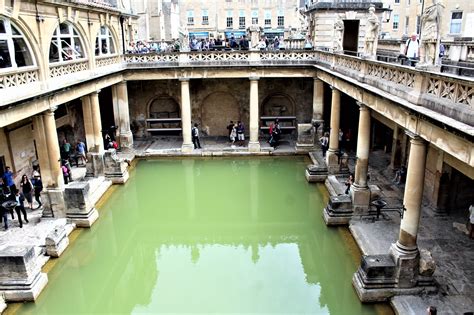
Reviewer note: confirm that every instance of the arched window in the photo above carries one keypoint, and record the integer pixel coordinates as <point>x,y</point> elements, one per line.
<point>104,43</point>
<point>66,44</point>
<point>14,50</point>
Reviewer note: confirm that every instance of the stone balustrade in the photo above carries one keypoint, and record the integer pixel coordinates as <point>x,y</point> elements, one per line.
<point>68,67</point>
<point>18,78</point>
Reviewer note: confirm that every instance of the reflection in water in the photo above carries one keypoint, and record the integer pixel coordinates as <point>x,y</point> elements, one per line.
<point>187,236</point>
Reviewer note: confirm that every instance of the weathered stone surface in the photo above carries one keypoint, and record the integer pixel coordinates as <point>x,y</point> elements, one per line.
<point>56,241</point>
<point>3,305</point>
<point>305,140</point>
<point>80,207</point>
<point>427,264</point>
<point>338,210</point>
<point>115,168</point>
<point>20,276</point>
<point>53,203</point>
<point>95,164</point>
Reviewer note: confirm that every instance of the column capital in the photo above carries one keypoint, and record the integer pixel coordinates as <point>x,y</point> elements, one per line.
<point>124,82</point>
<point>254,78</point>
<point>95,92</point>
<point>332,87</point>
<point>184,79</point>
<point>414,138</point>
<point>316,79</point>
<point>362,106</point>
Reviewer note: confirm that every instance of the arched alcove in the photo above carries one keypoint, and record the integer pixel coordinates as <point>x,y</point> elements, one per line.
<point>164,106</point>
<point>217,110</point>
<point>278,104</point>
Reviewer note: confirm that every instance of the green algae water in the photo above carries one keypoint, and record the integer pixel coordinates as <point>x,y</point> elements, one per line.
<point>207,236</point>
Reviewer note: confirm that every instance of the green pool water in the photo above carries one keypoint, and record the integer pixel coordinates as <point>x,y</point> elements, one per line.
<point>207,236</point>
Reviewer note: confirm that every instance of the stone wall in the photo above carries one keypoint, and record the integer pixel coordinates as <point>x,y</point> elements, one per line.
<point>215,102</point>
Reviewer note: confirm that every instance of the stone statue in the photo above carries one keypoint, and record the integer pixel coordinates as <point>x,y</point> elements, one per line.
<point>184,38</point>
<point>338,32</point>
<point>430,31</point>
<point>371,33</point>
<point>303,18</point>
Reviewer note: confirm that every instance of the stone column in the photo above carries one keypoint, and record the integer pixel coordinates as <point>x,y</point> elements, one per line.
<point>126,137</point>
<point>88,125</point>
<point>42,150</point>
<point>186,116</point>
<point>96,122</point>
<point>331,157</point>
<point>360,189</point>
<point>52,145</point>
<point>396,154</point>
<point>318,105</point>
<point>405,251</point>
<point>254,145</point>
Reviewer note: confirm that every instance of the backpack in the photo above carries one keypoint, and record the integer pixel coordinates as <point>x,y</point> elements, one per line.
<point>193,131</point>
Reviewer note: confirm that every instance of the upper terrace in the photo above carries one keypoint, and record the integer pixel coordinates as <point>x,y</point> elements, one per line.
<point>447,99</point>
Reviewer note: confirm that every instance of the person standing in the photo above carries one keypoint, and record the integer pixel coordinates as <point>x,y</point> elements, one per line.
<point>412,48</point>
<point>195,136</point>
<point>324,140</point>
<point>38,187</point>
<point>66,149</point>
<point>20,207</point>
<point>241,133</point>
<point>81,151</point>
<point>3,212</point>
<point>233,134</point>
<point>229,127</point>
<point>349,183</point>
<point>8,179</point>
<point>471,221</point>
<point>27,190</point>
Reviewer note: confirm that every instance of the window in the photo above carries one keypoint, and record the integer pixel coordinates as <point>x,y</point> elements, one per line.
<point>407,20</point>
<point>65,44</point>
<point>418,24</point>
<point>229,20</point>
<point>14,50</point>
<point>397,1</point>
<point>396,21</point>
<point>241,21</point>
<point>281,21</point>
<point>456,22</point>
<point>104,44</point>
<point>268,18</point>
<point>205,17</point>
<point>254,17</point>
<point>190,15</point>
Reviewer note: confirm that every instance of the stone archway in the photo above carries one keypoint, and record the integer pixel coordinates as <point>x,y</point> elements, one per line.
<point>278,104</point>
<point>164,107</point>
<point>217,110</point>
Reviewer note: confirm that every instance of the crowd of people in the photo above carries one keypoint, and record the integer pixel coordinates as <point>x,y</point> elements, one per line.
<point>12,199</point>
<point>206,44</point>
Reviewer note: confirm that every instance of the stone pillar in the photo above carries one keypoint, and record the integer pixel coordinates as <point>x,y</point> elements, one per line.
<point>254,145</point>
<point>360,189</point>
<point>52,145</point>
<point>405,251</point>
<point>331,156</point>
<point>126,137</point>
<point>88,125</point>
<point>396,154</point>
<point>96,122</point>
<point>42,150</point>
<point>186,116</point>
<point>318,105</point>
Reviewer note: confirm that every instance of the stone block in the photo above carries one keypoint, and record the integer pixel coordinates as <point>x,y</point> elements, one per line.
<point>80,208</point>
<point>254,146</point>
<point>375,192</point>
<point>115,169</point>
<point>95,164</point>
<point>360,198</point>
<point>316,172</point>
<point>3,305</point>
<point>305,141</point>
<point>21,278</point>
<point>53,203</point>
<point>338,210</point>
<point>427,264</point>
<point>56,241</point>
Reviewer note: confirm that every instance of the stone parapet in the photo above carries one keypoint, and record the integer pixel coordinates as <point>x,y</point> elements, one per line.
<point>115,169</point>
<point>21,278</point>
<point>80,207</point>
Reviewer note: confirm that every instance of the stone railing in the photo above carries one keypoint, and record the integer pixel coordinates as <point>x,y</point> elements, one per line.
<point>18,77</point>
<point>450,89</point>
<point>64,68</point>
<point>107,61</point>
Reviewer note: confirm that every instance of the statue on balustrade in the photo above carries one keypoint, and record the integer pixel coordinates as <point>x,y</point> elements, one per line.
<point>338,33</point>
<point>430,31</point>
<point>184,39</point>
<point>371,33</point>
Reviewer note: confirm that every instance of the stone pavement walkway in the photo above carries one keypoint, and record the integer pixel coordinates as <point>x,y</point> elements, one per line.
<point>451,249</point>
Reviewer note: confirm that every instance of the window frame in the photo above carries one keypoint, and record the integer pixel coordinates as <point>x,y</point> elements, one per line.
<point>59,38</point>
<point>397,22</point>
<point>241,22</point>
<point>458,23</point>
<point>281,21</point>
<point>229,22</point>
<point>8,36</point>
<point>108,37</point>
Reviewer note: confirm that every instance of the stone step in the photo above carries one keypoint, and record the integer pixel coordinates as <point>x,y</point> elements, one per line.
<point>98,187</point>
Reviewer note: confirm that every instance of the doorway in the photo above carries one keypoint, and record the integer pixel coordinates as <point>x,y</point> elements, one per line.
<point>350,41</point>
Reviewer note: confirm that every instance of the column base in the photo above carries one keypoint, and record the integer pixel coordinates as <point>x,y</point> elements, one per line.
<point>254,146</point>
<point>187,148</point>
<point>126,140</point>
<point>116,169</point>
<point>54,204</point>
<point>332,162</point>
<point>360,198</point>
<point>95,164</point>
<point>84,219</point>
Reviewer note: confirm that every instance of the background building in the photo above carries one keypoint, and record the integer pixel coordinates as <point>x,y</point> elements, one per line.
<point>158,19</point>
